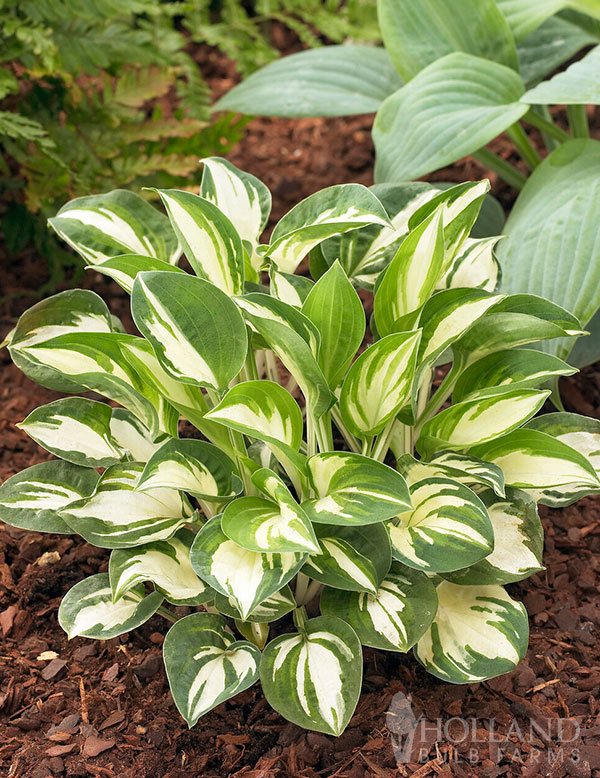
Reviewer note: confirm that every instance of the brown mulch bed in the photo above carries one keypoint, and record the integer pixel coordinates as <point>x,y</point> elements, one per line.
<point>104,709</point>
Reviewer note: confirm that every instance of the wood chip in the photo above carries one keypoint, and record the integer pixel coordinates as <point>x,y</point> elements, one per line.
<point>95,745</point>
<point>7,618</point>
<point>53,669</point>
<point>60,750</point>
<point>114,718</point>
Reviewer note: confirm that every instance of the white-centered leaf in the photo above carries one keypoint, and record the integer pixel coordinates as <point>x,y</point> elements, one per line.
<point>289,287</point>
<point>118,516</point>
<point>313,677</point>
<point>476,266</point>
<point>469,470</point>
<point>393,617</point>
<point>272,609</point>
<point>478,632</point>
<point>124,268</point>
<point>88,610</point>
<point>32,498</point>
<point>132,435</point>
<point>205,664</point>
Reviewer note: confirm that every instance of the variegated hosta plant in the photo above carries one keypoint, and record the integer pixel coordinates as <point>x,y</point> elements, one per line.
<point>329,486</point>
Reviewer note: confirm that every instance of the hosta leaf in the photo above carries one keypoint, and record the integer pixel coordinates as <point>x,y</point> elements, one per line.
<point>577,85</point>
<point>327,81</point>
<point>379,383</point>
<point>336,310</point>
<point>193,466</point>
<point>475,267</point>
<point>415,40</point>
<point>118,222</point>
<point>448,529</point>
<point>479,419</point>
<point>478,632</point>
<point>75,310</point>
<point>271,609</point>
<point>551,249</point>
<point>124,269</point>
<point>394,617</point>
<point>313,677</point>
<point>524,16</point>
<point>261,308</point>
<point>412,275</point>
<point>532,459</point>
<point>32,498</point>
<point>166,563</point>
<point>469,470</point>
<point>75,429</point>
<point>509,369</point>
<point>88,610</point>
<point>210,241</point>
<point>332,210</point>
<point>205,665</point>
<point>196,331</point>
<point>242,197</point>
<point>518,542</point>
<point>132,435</point>
<point>352,490</point>
<point>351,558</point>
<point>288,287</point>
<point>450,109</point>
<point>118,516</point>
<point>247,577</point>
<point>580,433</point>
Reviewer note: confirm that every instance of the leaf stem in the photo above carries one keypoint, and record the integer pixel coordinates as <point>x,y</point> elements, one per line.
<point>300,618</point>
<point>438,399</point>
<point>544,112</point>
<point>546,126</point>
<point>167,614</point>
<point>271,365</point>
<point>519,137</point>
<point>383,441</point>
<point>313,590</point>
<point>302,582</point>
<point>351,441</point>
<point>250,366</point>
<point>504,169</point>
<point>578,121</point>
<point>324,432</point>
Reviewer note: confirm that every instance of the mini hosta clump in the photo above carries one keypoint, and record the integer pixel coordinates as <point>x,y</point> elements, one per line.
<point>341,494</point>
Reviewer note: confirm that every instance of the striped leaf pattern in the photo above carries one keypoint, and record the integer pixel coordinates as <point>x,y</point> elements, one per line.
<point>289,288</point>
<point>118,516</point>
<point>124,268</point>
<point>88,610</point>
<point>475,267</point>
<point>129,433</point>
<point>470,470</point>
<point>478,632</point>
<point>393,617</point>
<point>313,677</point>
<point>205,664</point>
<point>271,609</point>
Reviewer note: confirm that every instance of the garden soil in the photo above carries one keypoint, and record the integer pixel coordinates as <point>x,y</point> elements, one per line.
<point>85,708</point>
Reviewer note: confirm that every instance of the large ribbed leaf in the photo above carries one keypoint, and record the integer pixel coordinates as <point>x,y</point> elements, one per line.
<point>196,331</point>
<point>32,498</point>
<point>247,577</point>
<point>88,609</point>
<point>394,617</point>
<point>205,664</point>
<point>518,542</point>
<point>353,490</point>
<point>524,16</point>
<point>577,85</point>
<point>117,516</point>
<point>124,268</point>
<point>478,632</point>
<point>551,249</point>
<point>327,81</point>
<point>448,529</point>
<point>118,222</point>
<point>416,39</point>
<point>452,108</point>
<point>166,563</point>
<point>313,677</point>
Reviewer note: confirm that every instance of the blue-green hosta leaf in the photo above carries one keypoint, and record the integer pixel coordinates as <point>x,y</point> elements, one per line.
<point>210,241</point>
<point>124,268</point>
<point>450,109</point>
<point>193,466</point>
<point>413,273</point>
<point>32,498</point>
<point>272,609</point>
<point>75,310</point>
<point>166,563</point>
<point>118,516</point>
<point>88,610</point>
<point>580,433</point>
<point>393,617</point>
<point>551,249</point>
<point>510,368</point>
<point>379,383</point>
<point>577,85</point>
<point>351,558</point>
<point>129,433</point>
<point>534,460</point>
<point>288,287</point>
<point>470,470</point>
<point>242,197</point>
<point>75,429</point>
<point>524,16</point>
<point>205,664</point>
<point>313,677</point>
<point>479,419</point>
<point>118,222</point>
<point>478,632</point>
<point>448,529</point>
<point>415,40</point>
<point>328,212</point>
<point>247,577</point>
<point>352,490</point>
<point>196,331</point>
<point>518,542</point>
<point>475,267</point>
